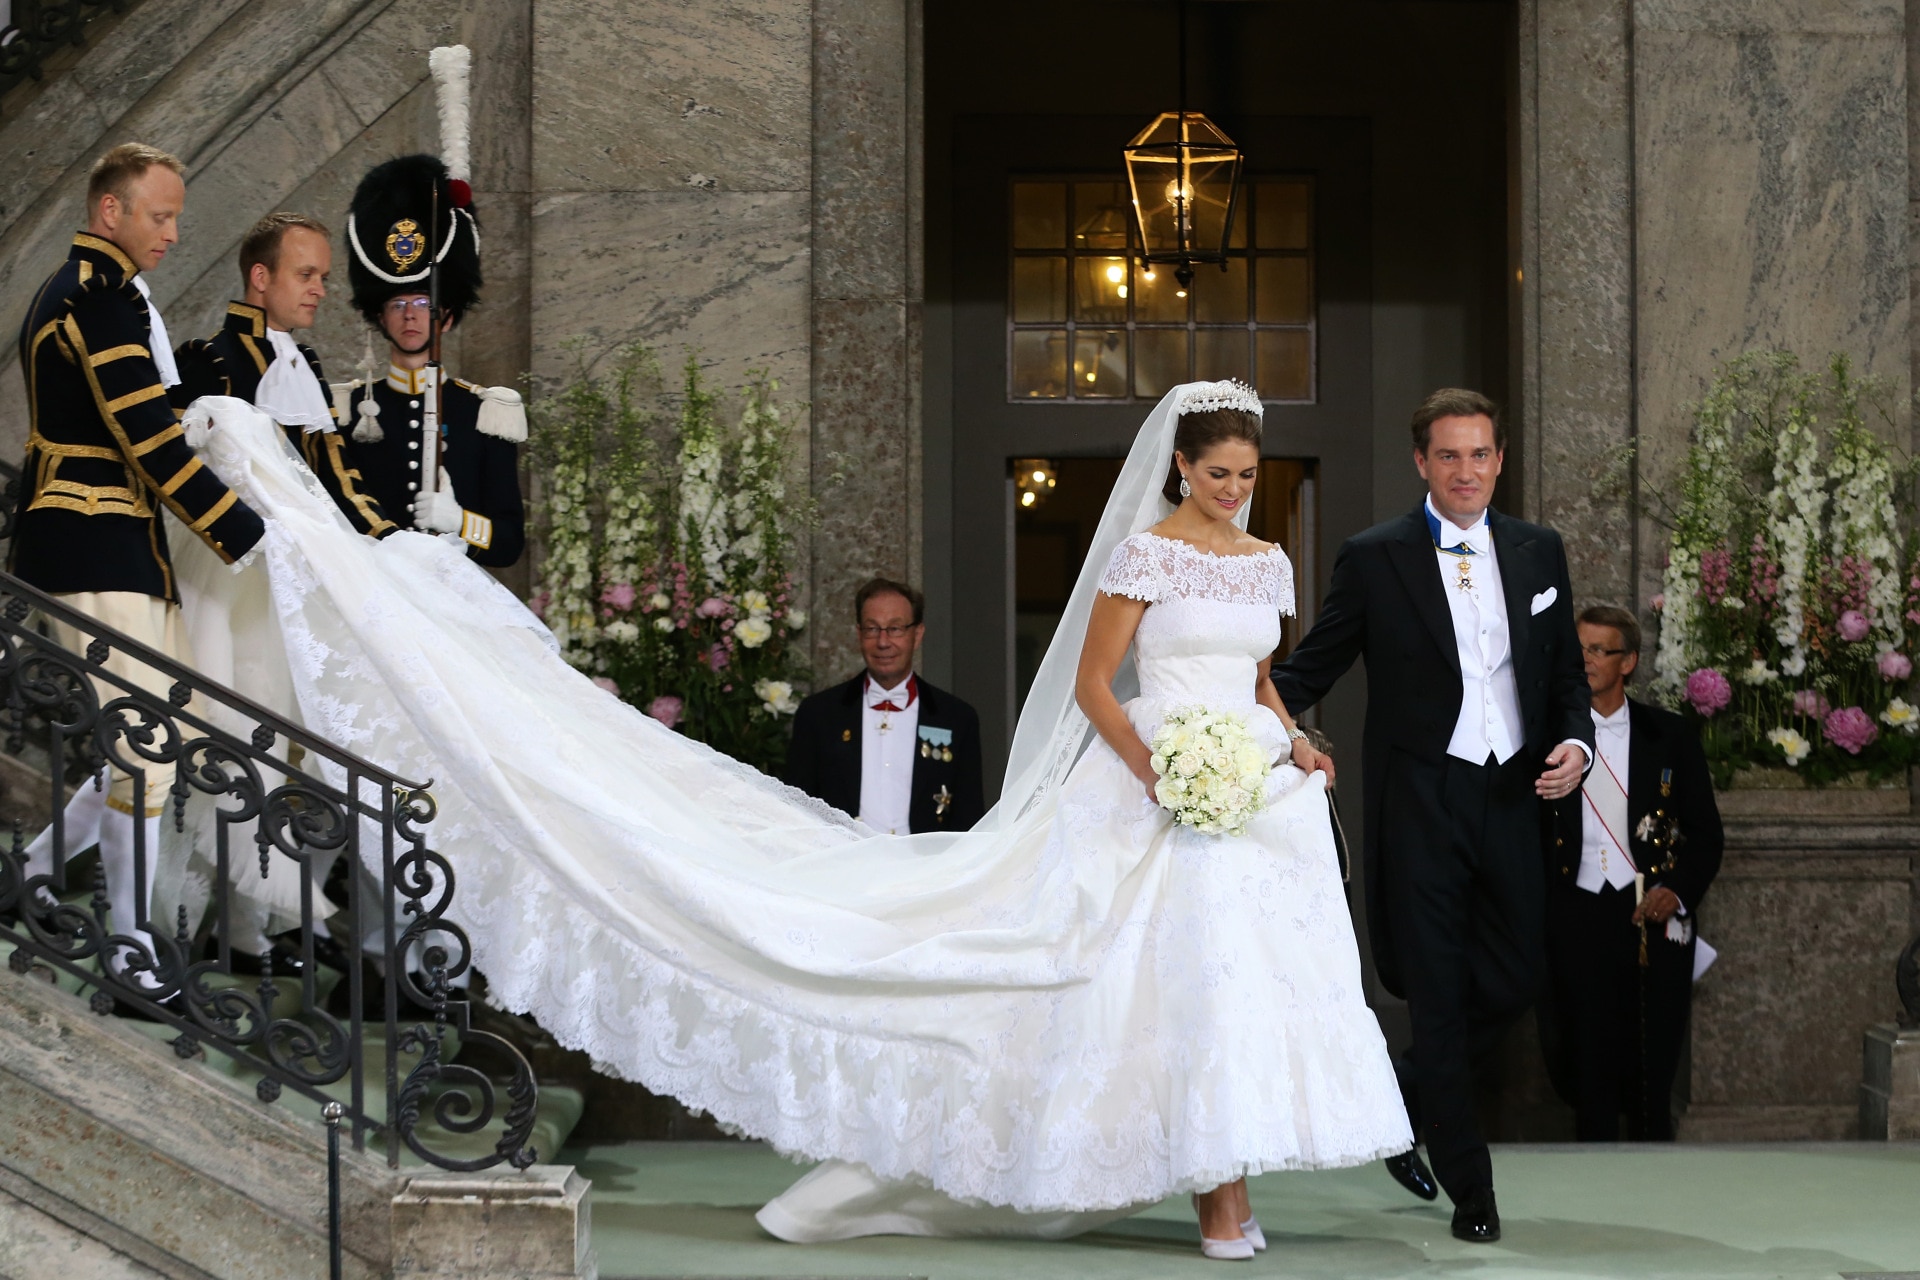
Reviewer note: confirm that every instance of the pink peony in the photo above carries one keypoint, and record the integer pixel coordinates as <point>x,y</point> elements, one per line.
<point>1659,601</point>
<point>1811,703</point>
<point>1708,691</point>
<point>1850,729</point>
<point>608,685</point>
<point>713,607</point>
<point>1895,666</point>
<point>1853,626</point>
<point>538,605</point>
<point>620,595</point>
<point>667,709</point>
<point>717,657</point>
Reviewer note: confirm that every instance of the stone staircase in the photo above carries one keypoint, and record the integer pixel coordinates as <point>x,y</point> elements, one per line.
<point>165,1169</point>
<point>118,1160</point>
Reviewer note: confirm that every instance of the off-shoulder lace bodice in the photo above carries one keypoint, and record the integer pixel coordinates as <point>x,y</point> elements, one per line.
<point>1152,568</point>
<point>1213,618</point>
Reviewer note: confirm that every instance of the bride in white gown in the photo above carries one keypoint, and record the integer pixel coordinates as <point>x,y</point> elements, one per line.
<point>1067,1014</point>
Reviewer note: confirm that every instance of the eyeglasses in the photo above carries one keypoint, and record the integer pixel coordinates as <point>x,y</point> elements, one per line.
<point>1597,651</point>
<point>400,306</point>
<point>871,632</point>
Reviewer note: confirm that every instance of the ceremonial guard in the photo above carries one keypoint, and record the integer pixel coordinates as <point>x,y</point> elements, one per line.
<point>1632,855</point>
<point>886,746</point>
<point>406,267</point>
<point>284,263</point>
<point>105,453</point>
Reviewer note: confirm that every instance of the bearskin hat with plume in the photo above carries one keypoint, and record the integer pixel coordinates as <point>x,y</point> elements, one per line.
<point>390,243</point>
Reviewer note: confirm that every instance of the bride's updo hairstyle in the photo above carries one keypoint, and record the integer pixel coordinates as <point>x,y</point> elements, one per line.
<point>1199,432</point>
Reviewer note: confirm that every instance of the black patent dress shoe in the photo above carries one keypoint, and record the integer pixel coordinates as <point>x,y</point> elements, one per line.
<point>1475,1220</point>
<point>1411,1172</point>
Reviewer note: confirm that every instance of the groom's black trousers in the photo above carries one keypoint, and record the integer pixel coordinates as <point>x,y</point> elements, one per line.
<point>1463,886</point>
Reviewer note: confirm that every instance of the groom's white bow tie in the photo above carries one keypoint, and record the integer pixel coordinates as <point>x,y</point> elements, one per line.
<point>1478,539</point>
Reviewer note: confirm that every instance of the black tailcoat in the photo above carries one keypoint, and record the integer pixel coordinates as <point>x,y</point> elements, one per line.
<point>232,362</point>
<point>105,449</point>
<point>1456,899</point>
<point>484,469</point>
<point>1387,601</point>
<point>824,760</point>
<point>1614,1027</point>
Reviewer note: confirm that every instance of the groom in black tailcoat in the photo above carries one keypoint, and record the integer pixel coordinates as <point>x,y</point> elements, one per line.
<point>1477,710</point>
<point>886,746</point>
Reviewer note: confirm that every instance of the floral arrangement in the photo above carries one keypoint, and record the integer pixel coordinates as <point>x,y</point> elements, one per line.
<point>1790,607</point>
<point>665,530</point>
<point>1213,771</point>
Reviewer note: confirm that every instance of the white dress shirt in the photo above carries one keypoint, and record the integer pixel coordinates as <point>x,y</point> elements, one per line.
<point>1489,722</point>
<point>886,756</point>
<point>1602,860</point>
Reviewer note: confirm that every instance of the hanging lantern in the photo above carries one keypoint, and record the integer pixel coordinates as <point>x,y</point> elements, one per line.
<point>1185,175</point>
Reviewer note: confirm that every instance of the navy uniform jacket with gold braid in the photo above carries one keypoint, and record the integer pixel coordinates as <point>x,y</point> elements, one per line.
<point>232,362</point>
<point>484,469</point>
<point>105,448</point>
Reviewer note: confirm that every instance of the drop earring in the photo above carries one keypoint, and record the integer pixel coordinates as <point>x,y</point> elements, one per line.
<point>1186,490</point>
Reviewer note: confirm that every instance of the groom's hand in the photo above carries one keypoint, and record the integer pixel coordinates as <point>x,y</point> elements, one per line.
<point>1565,765</point>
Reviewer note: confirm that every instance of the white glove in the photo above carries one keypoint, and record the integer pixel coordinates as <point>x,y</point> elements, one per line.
<point>437,511</point>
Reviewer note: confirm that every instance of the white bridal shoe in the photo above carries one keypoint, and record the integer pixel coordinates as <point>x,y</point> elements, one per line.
<point>1240,1250</point>
<point>1227,1250</point>
<point>1254,1235</point>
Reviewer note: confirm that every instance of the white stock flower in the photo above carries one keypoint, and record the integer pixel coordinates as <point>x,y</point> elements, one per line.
<point>1791,743</point>
<point>1758,672</point>
<point>754,632</point>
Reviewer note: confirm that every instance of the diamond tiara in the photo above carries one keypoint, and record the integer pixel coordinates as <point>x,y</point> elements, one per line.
<point>1205,397</point>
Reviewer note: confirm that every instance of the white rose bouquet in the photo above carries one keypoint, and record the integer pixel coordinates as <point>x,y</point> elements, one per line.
<point>1213,771</point>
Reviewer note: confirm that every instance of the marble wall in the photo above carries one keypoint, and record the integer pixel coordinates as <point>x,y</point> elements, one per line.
<point>1808,917</point>
<point>1771,198</point>
<point>867,293</point>
<point>1577,402</point>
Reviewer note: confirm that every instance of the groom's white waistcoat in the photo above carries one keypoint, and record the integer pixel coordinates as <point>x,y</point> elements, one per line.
<point>1489,721</point>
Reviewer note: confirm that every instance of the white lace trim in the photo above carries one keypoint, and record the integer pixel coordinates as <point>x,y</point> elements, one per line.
<point>1153,568</point>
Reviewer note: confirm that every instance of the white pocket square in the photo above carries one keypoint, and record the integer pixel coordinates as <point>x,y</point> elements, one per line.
<point>1544,599</point>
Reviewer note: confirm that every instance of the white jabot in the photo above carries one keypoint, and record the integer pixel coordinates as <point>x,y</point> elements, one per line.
<point>289,393</point>
<point>886,756</point>
<point>157,340</point>
<point>1602,859</point>
<point>1489,721</point>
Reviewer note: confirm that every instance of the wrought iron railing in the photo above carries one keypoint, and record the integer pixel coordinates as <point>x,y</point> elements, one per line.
<point>35,29</point>
<point>274,791</point>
